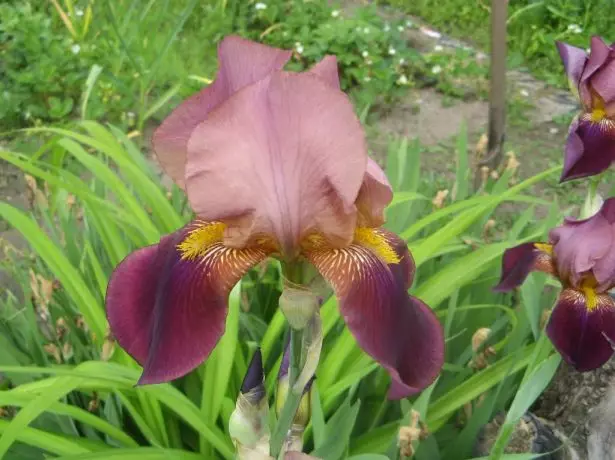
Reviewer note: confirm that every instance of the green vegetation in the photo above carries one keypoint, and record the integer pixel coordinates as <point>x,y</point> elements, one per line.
<point>533,27</point>
<point>67,390</point>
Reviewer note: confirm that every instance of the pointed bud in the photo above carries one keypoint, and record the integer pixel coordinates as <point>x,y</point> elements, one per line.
<point>248,424</point>
<point>303,412</point>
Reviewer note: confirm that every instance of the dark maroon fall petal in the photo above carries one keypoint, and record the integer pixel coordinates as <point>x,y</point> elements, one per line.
<point>580,333</point>
<point>590,148</point>
<point>405,269</point>
<point>518,262</point>
<point>397,330</point>
<point>168,313</point>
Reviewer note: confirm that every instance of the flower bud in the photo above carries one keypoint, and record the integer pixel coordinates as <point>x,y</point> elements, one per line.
<point>298,305</point>
<point>248,424</point>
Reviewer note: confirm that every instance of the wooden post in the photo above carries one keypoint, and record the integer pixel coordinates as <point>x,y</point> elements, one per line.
<point>497,96</point>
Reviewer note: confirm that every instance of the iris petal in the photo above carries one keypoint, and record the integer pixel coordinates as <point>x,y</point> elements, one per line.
<point>519,261</point>
<point>580,329</point>
<point>590,148</point>
<point>284,156</point>
<point>168,312</point>
<point>397,330</point>
<point>242,62</point>
<point>574,60</point>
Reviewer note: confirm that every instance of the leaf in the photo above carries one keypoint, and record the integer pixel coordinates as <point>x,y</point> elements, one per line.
<point>142,453</point>
<point>338,431</point>
<point>57,262</point>
<point>219,364</point>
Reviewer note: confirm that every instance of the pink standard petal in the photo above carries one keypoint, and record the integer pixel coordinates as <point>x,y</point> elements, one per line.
<point>590,149</point>
<point>169,313</point>
<point>587,244</point>
<point>374,196</point>
<point>327,70</point>
<point>397,330</point>
<point>285,157</point>
<point>580,334</point>
<point>242,62</point>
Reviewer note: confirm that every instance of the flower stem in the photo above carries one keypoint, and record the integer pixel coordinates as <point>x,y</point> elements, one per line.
<point>293,398</point>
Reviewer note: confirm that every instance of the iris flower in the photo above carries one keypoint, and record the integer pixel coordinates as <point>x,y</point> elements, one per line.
<point>590,148</point>
<point>274,164</point>
<point>581,254</point>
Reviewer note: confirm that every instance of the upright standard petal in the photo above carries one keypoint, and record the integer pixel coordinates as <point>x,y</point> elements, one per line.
<point>574,60</point>
<point>397,330</point>
<point>167,305</point>
<point>582,328</point>
<point>374,196</point>
<point>519,261</point>
<point>327,70</point>
<point>242,62</point>
<point>285,156</point>
<point>590,147</point>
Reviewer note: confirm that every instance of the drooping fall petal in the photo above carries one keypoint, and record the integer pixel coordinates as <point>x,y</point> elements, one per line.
<point>405,268</point>
<point>168,312</point>
<point>397,330</point>
<point>285,156</point>
<point>590,148</point>
<point>581,328</point>
<point>242,62</point>
<point>519,261</point>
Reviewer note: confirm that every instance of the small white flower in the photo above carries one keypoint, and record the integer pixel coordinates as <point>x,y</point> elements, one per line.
<point>79,12</point>
<point>436,69</point>
<point>392,51</point>
<point>409,23</point>
<point>402,80</point>
<point>400,28</point>
<point>364,54</point>
<point>365,30</point>
<point>367,79</point>
<point>299,47</point>
<point>575,29</point>
<point>368,62</point>
<point>75,48</point>
<point>402,61</point>
<point>27,115</point>
<point>588,50</point>
<point>438,48</point>
<point>430,33</point>
<point>335,13</point>
<point>524,93</point>
<point>130,115</point>
<point>386,28</point>
<point>260,6</point>
<point>553,130</point>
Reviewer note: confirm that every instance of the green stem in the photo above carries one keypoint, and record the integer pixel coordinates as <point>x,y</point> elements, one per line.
<point>293,398</point>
